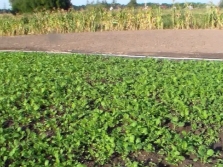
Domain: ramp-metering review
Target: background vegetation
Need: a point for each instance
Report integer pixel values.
(24, 6)
(221, 4)
(97, 18)
(56, 16)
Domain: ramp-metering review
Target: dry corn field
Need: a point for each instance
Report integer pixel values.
(99, 19)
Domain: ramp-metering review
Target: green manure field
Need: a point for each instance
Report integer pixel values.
(78, 110)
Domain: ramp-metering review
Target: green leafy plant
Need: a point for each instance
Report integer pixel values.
(74, 110)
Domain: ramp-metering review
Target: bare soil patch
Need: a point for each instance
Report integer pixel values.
(175, 43)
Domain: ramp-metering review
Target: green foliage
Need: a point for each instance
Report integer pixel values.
(132, 3)
(24, 6)
(68, 110)
(221, 4)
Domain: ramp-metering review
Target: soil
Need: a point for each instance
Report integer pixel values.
(174, 43)
(170, 43)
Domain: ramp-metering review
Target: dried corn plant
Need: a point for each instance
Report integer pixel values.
(99, 19)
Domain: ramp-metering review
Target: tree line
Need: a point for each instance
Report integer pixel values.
(28, 6)
(133, 3)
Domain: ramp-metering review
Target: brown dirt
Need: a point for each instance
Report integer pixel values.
(175, 43)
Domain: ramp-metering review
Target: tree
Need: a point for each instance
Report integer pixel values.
(113, 1)
(221, 4)
(132, 3)
(24, 6)
(104, 2)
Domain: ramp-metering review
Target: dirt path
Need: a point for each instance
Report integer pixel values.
(176, 43)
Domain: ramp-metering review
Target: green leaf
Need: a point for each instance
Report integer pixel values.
(202, 150)
(12, 152)
(175, 119)
(46, 163)
(184, 145)
(210, 152)
(132, 138)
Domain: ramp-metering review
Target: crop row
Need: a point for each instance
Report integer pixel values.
(76, 110)
(99, 19)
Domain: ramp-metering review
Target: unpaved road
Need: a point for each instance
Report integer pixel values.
(175, 43)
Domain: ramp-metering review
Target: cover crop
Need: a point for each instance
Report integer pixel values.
(78, 110)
